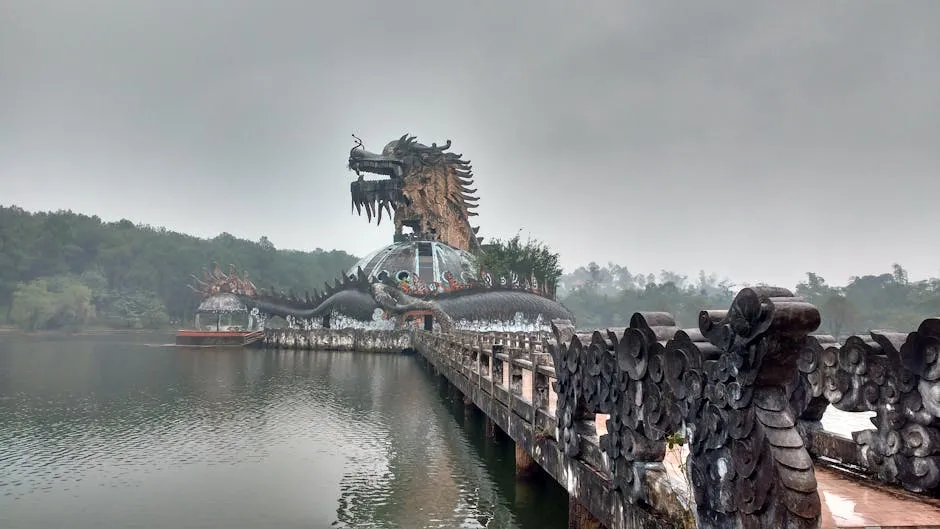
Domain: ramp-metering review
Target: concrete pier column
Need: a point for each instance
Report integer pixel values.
(525, 466)
(489, 427)
(467, 408)
(579, 517)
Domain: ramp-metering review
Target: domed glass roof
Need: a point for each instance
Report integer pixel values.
(425, 261)
(223, 302)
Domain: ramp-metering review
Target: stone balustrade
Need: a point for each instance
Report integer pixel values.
(744, 392)
(511, 378)
(895, 375)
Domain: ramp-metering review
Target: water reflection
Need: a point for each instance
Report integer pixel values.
(113, 432)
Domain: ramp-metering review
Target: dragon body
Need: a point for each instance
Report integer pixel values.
(427, 189)
(377, 303)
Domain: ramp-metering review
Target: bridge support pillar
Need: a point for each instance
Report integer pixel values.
(489, 427)
(579, 517)
(467, 408)
(525, 466)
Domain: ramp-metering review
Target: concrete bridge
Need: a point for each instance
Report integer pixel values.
(747, 421)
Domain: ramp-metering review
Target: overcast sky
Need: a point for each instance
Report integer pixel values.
(757, 140)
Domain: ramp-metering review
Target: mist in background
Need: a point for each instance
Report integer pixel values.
(756, 140)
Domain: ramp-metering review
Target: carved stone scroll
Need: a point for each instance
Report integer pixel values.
(643, 410)
(732, 385)
(748, 462)
(571, 408)
(898, 377)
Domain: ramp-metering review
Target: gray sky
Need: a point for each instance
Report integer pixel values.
(755, 139)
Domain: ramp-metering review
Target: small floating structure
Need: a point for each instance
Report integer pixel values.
(222, 320)
(194, 338)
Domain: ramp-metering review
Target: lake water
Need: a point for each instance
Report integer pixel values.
(119, 431)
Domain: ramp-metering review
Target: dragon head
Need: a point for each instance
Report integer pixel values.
(427, 187)
(215, 281)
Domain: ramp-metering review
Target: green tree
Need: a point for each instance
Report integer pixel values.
(52, 303)
(137, 274)
(33, 305)
(526, 259)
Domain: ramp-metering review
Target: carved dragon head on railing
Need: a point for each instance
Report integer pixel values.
(731, 384)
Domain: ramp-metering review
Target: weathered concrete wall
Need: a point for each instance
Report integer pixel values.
(370, 341)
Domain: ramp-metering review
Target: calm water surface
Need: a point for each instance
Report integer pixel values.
(121, 432)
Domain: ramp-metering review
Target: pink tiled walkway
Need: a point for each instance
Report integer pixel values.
(846, 503)
(851, 504)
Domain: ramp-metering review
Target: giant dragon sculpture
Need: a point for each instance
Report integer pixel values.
(427, 187)
(428, 190)
(362, 302)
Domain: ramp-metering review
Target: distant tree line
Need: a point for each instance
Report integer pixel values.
(606, 297)
(63, 269)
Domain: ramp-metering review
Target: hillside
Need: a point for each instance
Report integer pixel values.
(64, 269)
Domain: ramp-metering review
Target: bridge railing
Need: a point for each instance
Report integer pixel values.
(512, 377)
(743, 393)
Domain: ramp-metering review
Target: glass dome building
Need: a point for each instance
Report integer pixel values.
(426, 261)
(224, 312)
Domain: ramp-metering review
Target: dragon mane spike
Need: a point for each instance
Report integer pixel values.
(441, 148)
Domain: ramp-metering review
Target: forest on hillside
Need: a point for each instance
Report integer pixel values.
(606, 296)
(66, 270)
